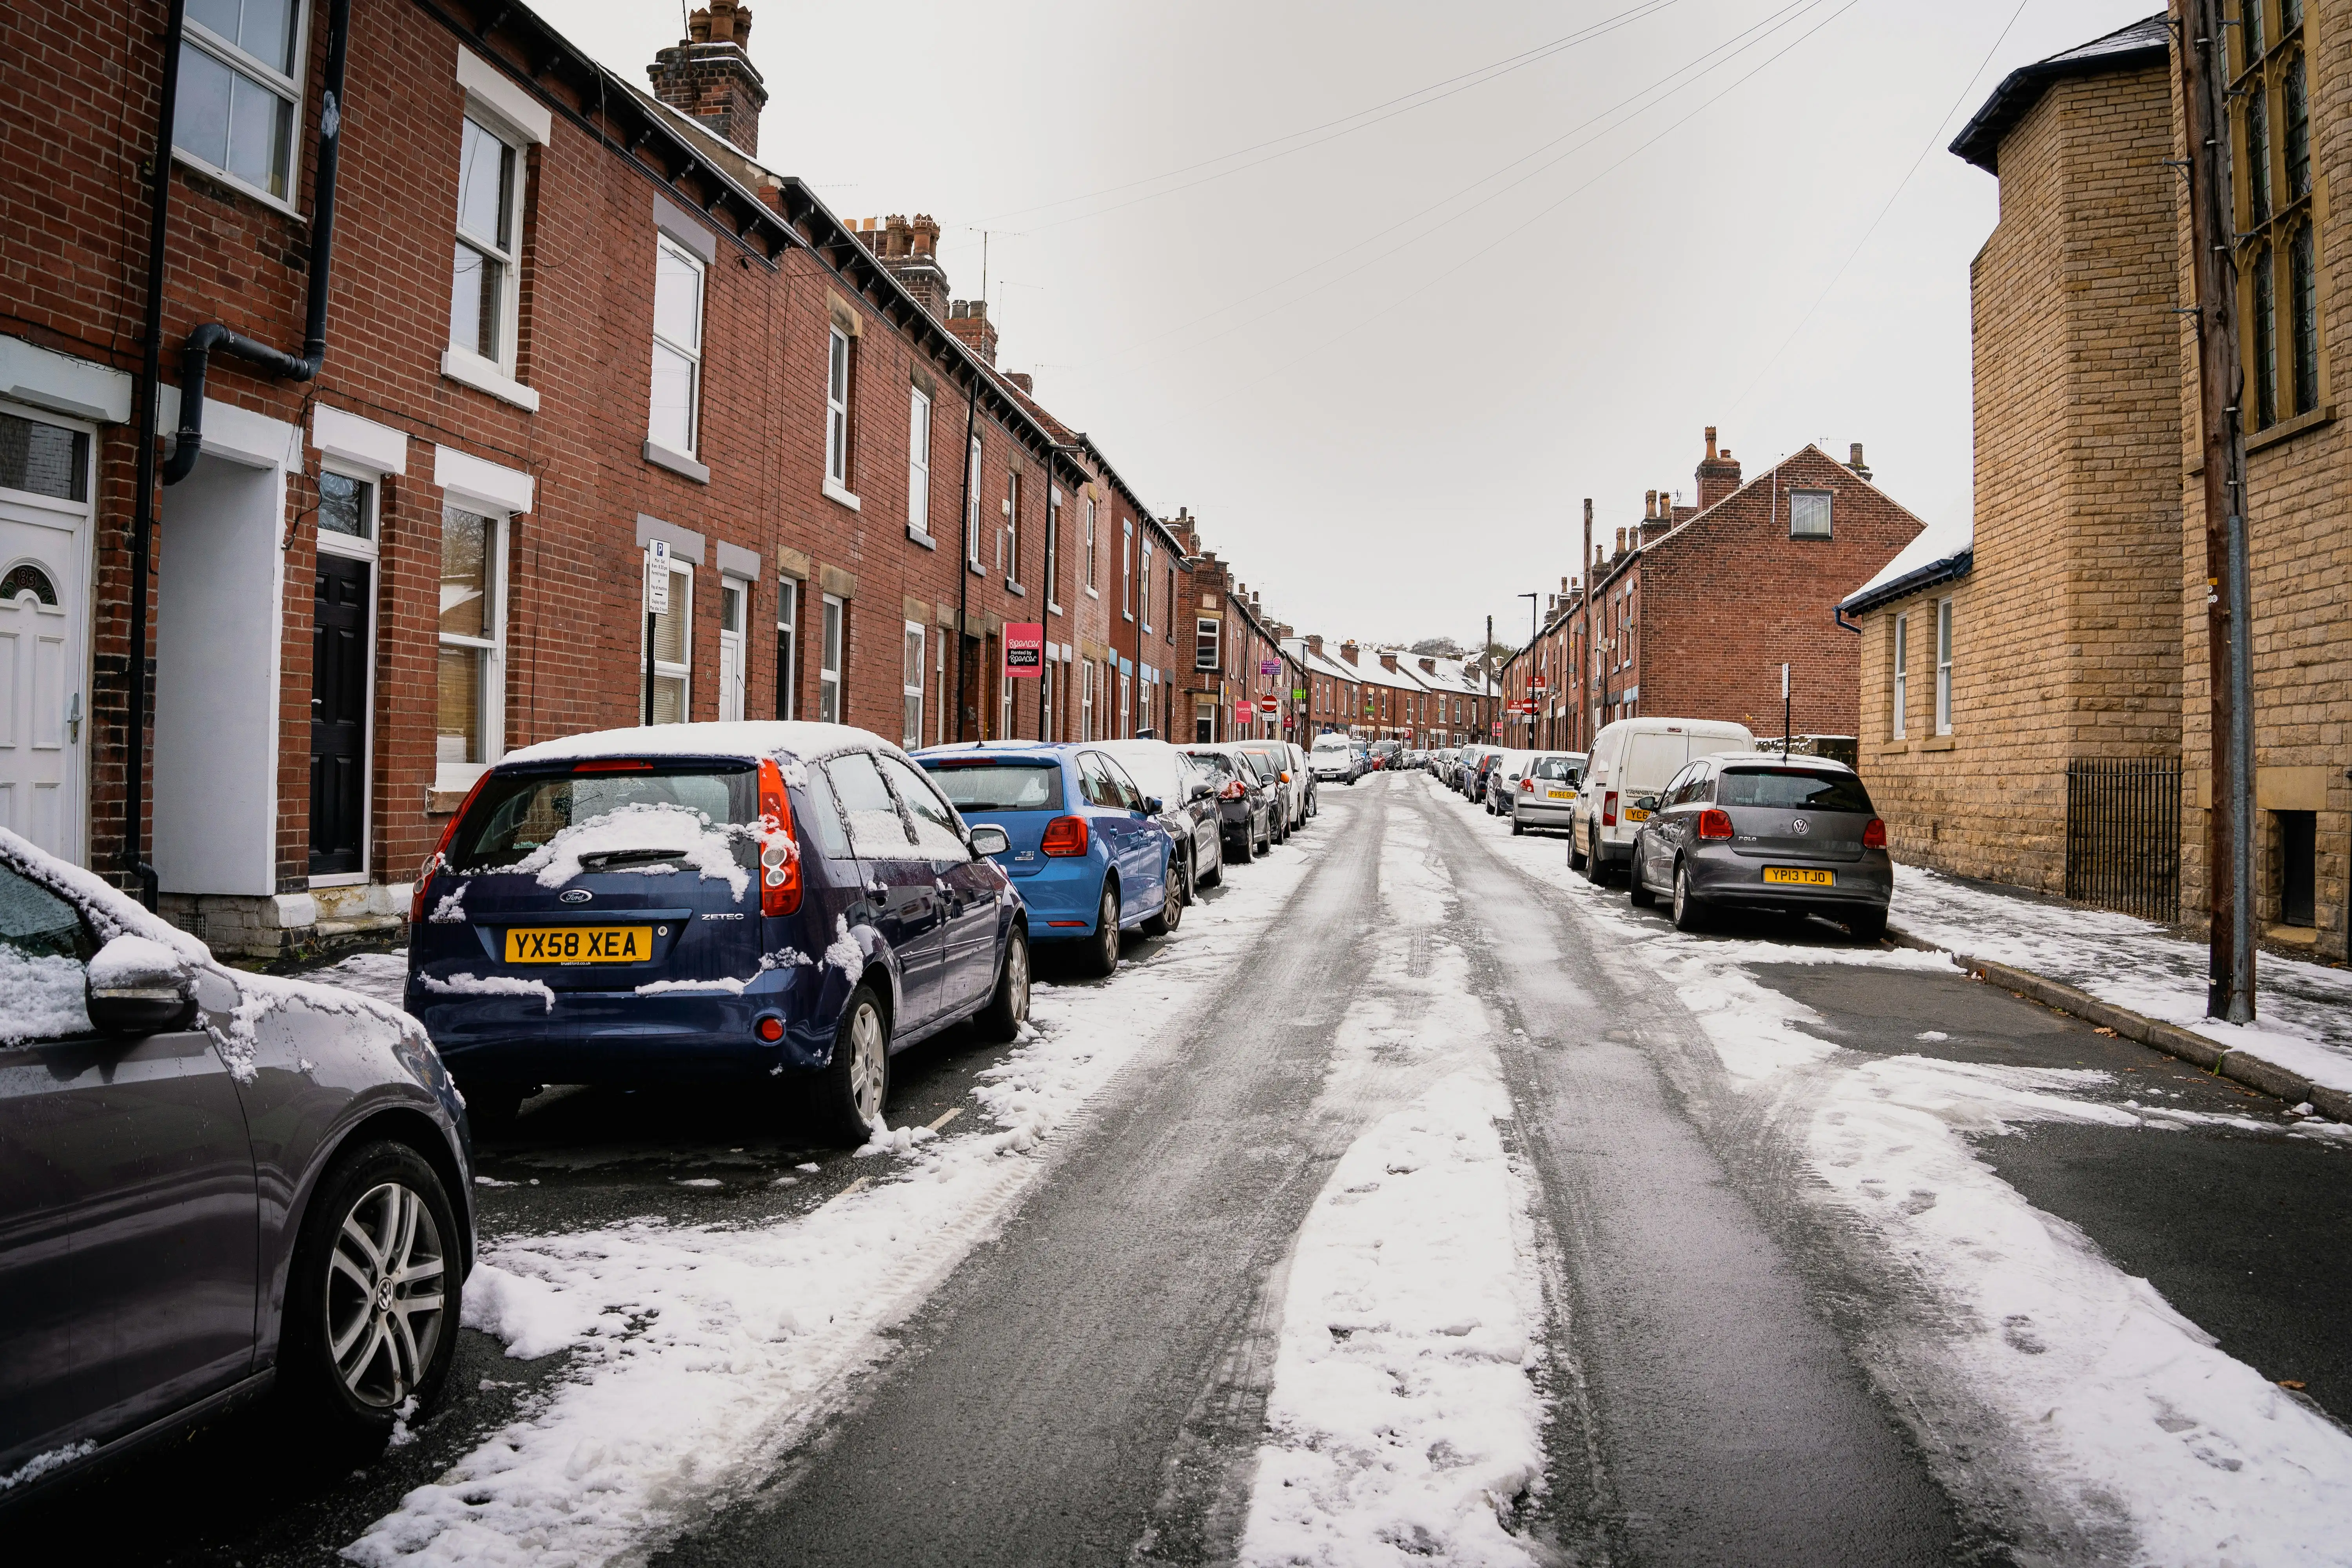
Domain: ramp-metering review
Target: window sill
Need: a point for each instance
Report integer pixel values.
(919, 537)
(1127, 616)
(833, 492)
(1937, 743)
(2288, 429)
(661, 456)
(1016, 588)
(280, 204)
(1052, 608)
(975, 568)
(469, 369)
(1092, 595)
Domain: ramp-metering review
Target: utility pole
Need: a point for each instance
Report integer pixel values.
(1487, 663)
(2221, 388)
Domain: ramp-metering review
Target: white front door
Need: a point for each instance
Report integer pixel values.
(731, 594)
(45, 483)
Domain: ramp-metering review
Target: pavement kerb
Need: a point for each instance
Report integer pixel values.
(2240, 1066)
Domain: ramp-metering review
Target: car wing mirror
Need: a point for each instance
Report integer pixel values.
(988, 840)
(1645, 803)
(1200, 792)
(1151, 805)
(139, 986)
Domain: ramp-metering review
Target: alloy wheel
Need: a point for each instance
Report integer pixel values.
(383, 1298)
(1017, 980)
(869, 1063)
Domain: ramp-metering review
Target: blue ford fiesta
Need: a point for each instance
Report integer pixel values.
(711, 902)
(1084, 847)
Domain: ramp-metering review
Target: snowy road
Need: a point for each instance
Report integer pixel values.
(1416, 1202)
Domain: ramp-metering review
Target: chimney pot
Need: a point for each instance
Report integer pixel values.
(1860, 469)
(1710, 443)
(1621, 541)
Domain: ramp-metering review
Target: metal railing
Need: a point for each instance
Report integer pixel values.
(2123, 835)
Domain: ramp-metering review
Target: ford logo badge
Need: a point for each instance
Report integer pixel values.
(581, 895)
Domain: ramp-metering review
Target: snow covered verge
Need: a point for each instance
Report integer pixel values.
(2304, 1021)
(702, 1352)
(2096, 1419)
(1404, 1421)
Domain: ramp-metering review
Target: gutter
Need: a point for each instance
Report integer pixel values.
(212, 337)
(1949, 568)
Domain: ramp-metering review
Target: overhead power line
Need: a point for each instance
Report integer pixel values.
(1345, 125)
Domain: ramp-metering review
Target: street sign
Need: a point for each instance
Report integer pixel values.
(658, 577)
(1025, 650)
(1242, 711)
(1537, 686)
(1299, 694)
(1269, 706)
(1498, 726)
(1269, 668)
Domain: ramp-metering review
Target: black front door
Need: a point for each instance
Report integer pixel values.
(338, 670)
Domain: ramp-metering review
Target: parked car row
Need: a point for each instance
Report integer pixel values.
(1696, 814)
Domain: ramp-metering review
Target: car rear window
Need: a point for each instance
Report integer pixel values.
(1557, 768)
(1216, 762)
(1262, 764)
(517, 813)
(977, 784)
(1792, 789)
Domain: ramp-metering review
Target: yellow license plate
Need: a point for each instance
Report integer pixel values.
(1635, 814)
(1800, 878)
(1561, 794)
(580, 944)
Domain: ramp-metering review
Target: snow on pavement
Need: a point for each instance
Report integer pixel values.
(2124, 1412)
(702, 1352)
(2304, 1011)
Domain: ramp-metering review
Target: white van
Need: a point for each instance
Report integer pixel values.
(1635, 757)
(1334, 757)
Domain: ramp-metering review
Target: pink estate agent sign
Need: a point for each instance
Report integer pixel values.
(1024, 650)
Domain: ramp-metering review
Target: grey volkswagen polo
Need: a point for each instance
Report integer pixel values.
(214, 1185)
(1760, 831)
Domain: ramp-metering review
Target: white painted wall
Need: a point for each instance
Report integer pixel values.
(218, 586)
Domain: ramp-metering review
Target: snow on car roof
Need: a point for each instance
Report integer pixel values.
(750, 738)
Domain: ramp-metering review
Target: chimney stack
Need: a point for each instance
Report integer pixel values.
(1024, 379)
(709, 75)
(1718, 474)
(911, 250)
(1347, 650)
(1388, 662)
(968, 319)
(1861, 469)
(1315, 644)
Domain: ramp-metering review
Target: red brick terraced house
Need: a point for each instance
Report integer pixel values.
(1237, 684)
(1692, 610)
(563, 319)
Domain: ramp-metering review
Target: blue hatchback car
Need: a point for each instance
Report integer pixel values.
(713, 903)
(1085, 846)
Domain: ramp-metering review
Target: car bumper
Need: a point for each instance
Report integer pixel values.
(1733, 881)
(618, 1036)
(1544, 813)
(1064, 898)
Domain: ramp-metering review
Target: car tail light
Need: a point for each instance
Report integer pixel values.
(440, 854)
(780, 855)
(1715, 823)
(1874, 835)
(769, 1028)
(1234, 790)
(1527, 785)
(613, 765)
(1066, 836)
(1608, 809)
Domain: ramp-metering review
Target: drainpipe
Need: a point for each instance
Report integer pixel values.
(143, 509)
(1838, 612)
(213, 336)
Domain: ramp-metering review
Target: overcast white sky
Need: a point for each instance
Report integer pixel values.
(1384, 368)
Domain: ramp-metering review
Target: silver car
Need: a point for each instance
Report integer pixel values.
(212, 1184)
(1546, 793)
(1754, 830)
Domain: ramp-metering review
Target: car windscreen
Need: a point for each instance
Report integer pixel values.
(640, 811)
(978, 783)
(1331, 743)
(1792, 789)
(1558, 769)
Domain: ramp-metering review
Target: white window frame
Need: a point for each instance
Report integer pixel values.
(370, 550)
(690, 352)
(1127, 567)
(1126, 712)
(1053, 547)
(972, 482)
(1943, 667)
(910, 677)
(788, 648)
(939, 681)
(1825, 498)
(832, 640)
(919, 461)
(1207, 630)
(1143, 597)
(732, 674)
(1086, 699)
(75, 787)
(494, 373)
(1046, 683)
(1902, 674)
(461, 775)
(1094, 520)
(290, 88)
(1008, 543)
(839, 371)
(680, 669)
